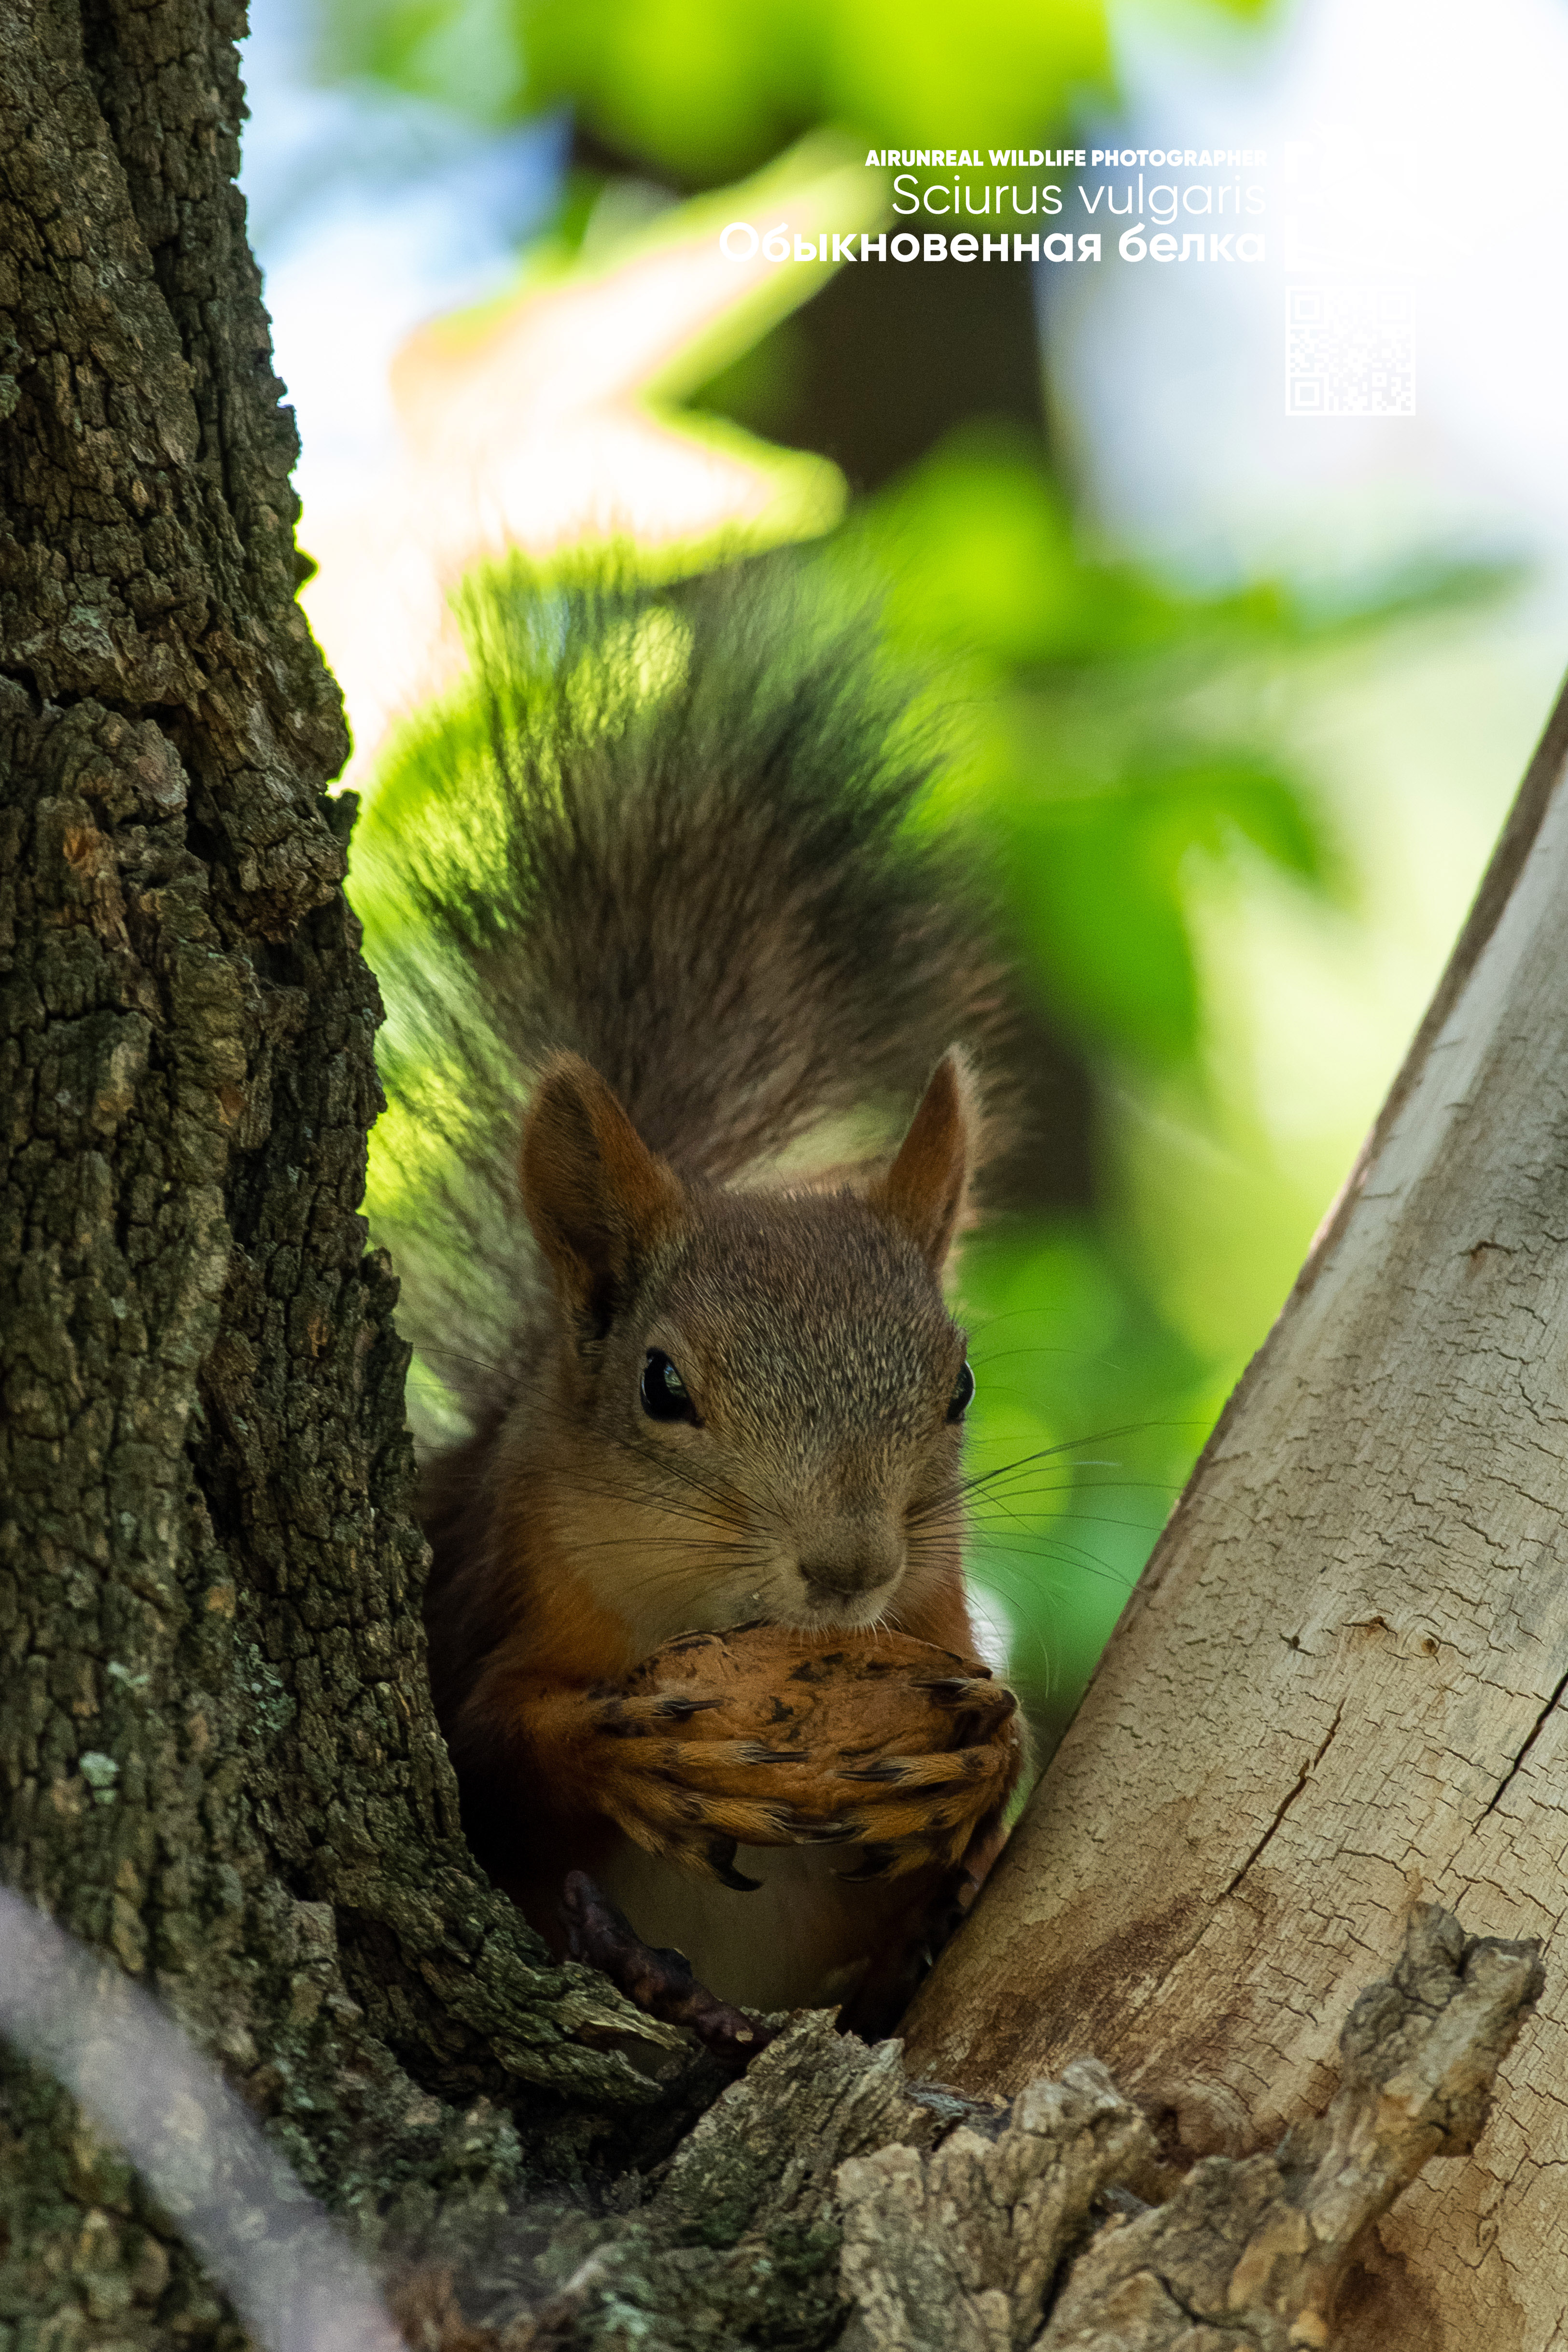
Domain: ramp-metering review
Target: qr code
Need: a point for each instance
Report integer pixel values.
(1350, 352)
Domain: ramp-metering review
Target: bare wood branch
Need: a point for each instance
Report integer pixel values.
(955, 2223)
(1338, 1690)
(1250, 2254)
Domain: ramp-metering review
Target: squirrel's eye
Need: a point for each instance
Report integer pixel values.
(963, 1389)
(663, 1391)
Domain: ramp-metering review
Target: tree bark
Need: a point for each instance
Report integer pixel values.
(218, 1756)
(1338, 1688)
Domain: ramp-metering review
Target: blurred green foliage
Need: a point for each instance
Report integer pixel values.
(1122, 750)
(1119, 754)
(1112, 749)
(704, 90)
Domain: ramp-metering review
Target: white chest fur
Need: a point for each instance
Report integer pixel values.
(803, 1939)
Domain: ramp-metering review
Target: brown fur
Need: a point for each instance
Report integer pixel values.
(807, 1501)
(711, 893)
(926, 1190)
(723, 939)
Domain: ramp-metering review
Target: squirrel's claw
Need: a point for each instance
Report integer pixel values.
(721, 1740)
(721, 1864)
(658, 1980)
(989, 1703)
(845, 1829)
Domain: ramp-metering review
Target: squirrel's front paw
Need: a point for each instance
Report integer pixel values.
(772, 1736)
(683, 1767)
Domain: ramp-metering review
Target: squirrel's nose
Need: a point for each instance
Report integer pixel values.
(856, 1559)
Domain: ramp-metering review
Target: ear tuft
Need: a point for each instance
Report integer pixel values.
(926, 1189)
(596, 1197)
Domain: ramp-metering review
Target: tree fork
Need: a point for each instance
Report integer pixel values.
(827, 2200)
(1337, 1689)
(217, 1754)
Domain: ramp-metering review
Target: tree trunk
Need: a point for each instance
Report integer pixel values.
(217, 1755)
(1338, 1688)
(218, 1751)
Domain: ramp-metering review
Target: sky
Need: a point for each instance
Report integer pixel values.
(369, 214)
(1411, 145)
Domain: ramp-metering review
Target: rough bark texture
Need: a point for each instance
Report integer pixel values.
(217, 1752)
(1340, 1684)
(827, 2199)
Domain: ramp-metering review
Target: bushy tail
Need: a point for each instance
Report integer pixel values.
(675, 830)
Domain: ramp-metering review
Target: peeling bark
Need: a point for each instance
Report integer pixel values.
(827, 2200)
(1253, 2252)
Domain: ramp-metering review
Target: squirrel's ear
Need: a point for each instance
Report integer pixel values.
(596, 1195)
(925, 1190)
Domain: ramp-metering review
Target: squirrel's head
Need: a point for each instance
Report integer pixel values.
(755, 1407)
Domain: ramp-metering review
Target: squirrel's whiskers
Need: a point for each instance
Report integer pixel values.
(697, 1614)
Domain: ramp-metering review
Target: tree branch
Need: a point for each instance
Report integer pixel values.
(956, 2221)
(1249, 2252)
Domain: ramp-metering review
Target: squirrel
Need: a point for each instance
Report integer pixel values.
(696, 1613)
